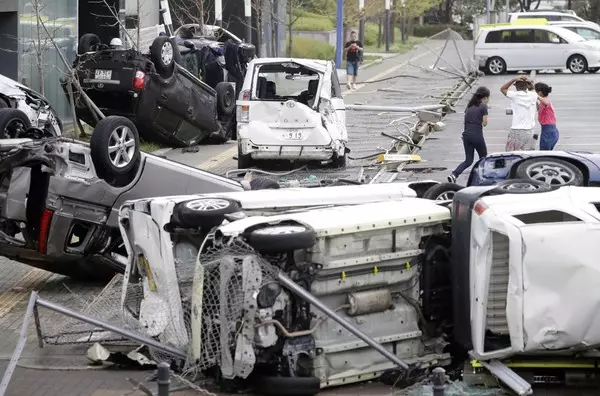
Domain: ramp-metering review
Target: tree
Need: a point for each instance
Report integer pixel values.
(528, 5)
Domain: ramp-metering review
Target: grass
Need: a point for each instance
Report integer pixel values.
(306, 47)
(147, 147)
(309, 21)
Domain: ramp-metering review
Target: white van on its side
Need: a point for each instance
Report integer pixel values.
(535, 47)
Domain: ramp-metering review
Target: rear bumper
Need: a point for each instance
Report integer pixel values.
(282, 152)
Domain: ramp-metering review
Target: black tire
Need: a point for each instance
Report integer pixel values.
(338, 162)
(495, 66)
(225, 98)
(288, 386)
(162, 54)
(520, 186)
(264, 183)
(89, 42)
(593, 70)
(552, 171)
(120, 132)
(245, 161)
(577, 64)
(13, 123)
(442, 191)
(281, 238)
(204, 213)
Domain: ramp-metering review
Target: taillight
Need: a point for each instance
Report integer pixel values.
(45, 222)
(138, 80)
(244, 109)
(479, 208)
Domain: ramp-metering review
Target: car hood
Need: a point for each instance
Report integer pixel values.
(10, 87)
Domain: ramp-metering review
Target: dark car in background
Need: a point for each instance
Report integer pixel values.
(168, 99)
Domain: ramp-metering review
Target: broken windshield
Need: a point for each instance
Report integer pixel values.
(289, 81)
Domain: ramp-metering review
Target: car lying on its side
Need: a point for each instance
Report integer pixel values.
(293, 110)
(408, 272)
(22, 108)
(556, 168)
(168, 103)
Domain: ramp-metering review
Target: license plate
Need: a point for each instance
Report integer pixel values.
(103, 74)
(292, 135)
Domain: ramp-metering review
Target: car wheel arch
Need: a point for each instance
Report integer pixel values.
(574, 55)
(573, 161)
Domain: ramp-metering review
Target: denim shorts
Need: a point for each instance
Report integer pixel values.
(352, 68)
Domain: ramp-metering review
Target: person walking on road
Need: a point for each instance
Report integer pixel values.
(546, 117)
(353, 50)
(476, 117)
(523, 102)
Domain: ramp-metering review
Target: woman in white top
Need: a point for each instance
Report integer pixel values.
(523, 101)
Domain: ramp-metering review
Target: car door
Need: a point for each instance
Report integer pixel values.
(336, 96)
(547, 50)
(517, 45)
(331, 92)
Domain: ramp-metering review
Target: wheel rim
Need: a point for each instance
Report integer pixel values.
(280, 230)
(13, 129)
(496, 66)
(577, 65)
(121, 146)
(445, 196)
(550, 173)
(207, 205)
(166, 53)
(521, 186)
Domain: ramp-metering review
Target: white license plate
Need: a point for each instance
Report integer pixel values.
(103, 74)
(292, 135)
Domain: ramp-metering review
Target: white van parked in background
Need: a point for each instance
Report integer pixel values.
(584, 29)
(549, 16)
(535, 47)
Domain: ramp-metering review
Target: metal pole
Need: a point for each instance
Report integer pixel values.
(125, 333)
(162, 379)
(339, 33)
(403, 22)
(248, 14)
(508, 10)
(487, 11)
(439, 380)
(219, 13)
(361, 26)
(294, 287)
(387, 25)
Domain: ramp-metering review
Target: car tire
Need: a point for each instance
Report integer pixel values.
(244, 161)
(89, 42)
(281, 238)
(162, 54)
(225, 98)
(203, 213)
(593, 70)
(264, 183)
(13, 123)
(552, 171)
(121, 134)
(289, 386)
(521, 186)
(442, 191)
(495, 66)
(577, 64)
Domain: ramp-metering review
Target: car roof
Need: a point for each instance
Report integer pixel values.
(522, 27)
(541, 12)
(315, 64)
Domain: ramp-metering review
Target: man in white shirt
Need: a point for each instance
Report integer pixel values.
(523, 102)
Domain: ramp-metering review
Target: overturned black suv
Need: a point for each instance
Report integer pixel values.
(167, 102)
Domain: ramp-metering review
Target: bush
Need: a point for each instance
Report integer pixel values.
(309, 21)
(306, 47)
(430, 30)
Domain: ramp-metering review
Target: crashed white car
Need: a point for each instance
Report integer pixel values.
(497, 274)
(22, 108)
(291, 109)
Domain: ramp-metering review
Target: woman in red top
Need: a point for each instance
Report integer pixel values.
(546, 117)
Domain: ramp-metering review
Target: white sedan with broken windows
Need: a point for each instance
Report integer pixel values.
(293, 110)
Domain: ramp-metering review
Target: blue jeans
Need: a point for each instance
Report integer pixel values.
(549, 137)
(352, 68)
(471, 144)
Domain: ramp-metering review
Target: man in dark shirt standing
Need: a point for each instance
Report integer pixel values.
(353, 49)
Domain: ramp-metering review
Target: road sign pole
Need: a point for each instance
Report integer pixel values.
(339, 30)
(248, 14)
(387, 25)
(361, 26)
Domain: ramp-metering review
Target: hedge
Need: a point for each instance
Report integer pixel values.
(306, 47)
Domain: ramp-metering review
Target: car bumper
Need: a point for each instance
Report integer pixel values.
(283, 152)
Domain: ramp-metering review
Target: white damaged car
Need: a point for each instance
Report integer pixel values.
(291, 109)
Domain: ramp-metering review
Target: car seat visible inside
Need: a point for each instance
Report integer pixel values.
(271, 90)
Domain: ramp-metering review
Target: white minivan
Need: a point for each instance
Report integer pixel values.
(550, 16)
(535, 47)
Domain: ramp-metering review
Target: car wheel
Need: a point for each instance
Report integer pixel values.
(89, 42)
(281, 238)
(518, 186)
(263, 183)
(290, 386)
(245, 161)
(551, 171)
(442, 191)
(13, 123)
(496, 65)
(225, 98)
(162, 54)
(593, 69)
(205, 213)
(577, 64)
(115, 147)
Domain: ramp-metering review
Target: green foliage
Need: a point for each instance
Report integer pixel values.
(306, 47)
(309, 21)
